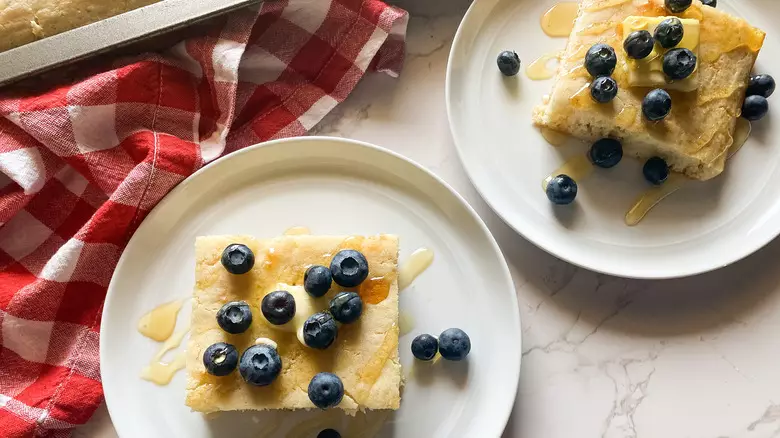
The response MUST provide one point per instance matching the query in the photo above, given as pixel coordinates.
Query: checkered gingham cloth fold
(82, 164)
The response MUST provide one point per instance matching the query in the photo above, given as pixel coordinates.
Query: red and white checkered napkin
(82, 164)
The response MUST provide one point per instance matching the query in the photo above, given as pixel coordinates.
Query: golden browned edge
(700, 132)
(284, 259)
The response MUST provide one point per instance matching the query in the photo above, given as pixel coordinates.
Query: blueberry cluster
(452, 344)
(604, 153)
(678, 63)
(756, 105)
(600, 62)
(261, 364)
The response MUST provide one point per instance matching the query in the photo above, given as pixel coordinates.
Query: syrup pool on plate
(558, 21)
(577, 167)
(159, 323)
(417, 263)
(161, 372)
(544, 67)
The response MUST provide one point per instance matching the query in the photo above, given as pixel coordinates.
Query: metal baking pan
(109, 34)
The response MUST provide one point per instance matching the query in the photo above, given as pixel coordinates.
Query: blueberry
(600, 60)
(235, 317)
(761, 85)
(639, 44)
(317, 280)
(669, 32)
(424, 347)
(329, 433)
(656, 171)
(349, 268)
(238, 259)
(454, 344)
(657, 105)
(712, 3)
(755, 108)
(603, 89)
(677, 6)
(260, 365)
(606, 153)
(220, 359)
(561, 190)
(326, 390)
(319, 331)
(278, 307)
(679, 63)
(508, 63)
(346, 307)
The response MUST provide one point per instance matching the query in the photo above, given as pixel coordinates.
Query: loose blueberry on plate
(329, 433)
(425, 347)
(260, 365)
(317, 280)
(454, 344)
(319, 331)
(561, 190)
(712, 3)
(755, 108)
(603, 89)
(677, 6)
(639, 44)
(326, 390)
(606, 153)
(669, 32)
(349, 268)
(600, 60)
(346, 307)
(761, 85)
(235, 317)
(656, 171)
(220, 359)
(278, 307)
(657, 105)
(238, 259)
(679, 63)
(508, 62)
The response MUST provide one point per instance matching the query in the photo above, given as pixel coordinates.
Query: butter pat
(649, 72)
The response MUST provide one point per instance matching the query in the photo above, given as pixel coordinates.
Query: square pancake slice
(694, 139)
(364, 354)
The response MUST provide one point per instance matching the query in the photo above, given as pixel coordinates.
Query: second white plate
(702, 227)
(331, 186)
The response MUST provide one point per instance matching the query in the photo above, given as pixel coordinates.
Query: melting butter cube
(649, 72)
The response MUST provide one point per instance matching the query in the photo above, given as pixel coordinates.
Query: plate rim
(491, 240)
(531, 235)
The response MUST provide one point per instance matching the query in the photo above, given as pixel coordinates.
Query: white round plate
(331, 186)
(702, 227)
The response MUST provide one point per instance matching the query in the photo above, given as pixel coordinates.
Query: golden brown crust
(371, 374)
(695, 137)
(24, 21)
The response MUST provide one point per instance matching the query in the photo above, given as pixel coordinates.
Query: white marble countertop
(603, 356)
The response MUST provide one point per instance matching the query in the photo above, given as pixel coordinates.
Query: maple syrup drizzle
(553, 137)
(577, 167)
(160, 372)
(653, 196)
(159, 323)
(741, 134)
(558, 21)
(417, 263)
(368, 375)
(540, 69)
